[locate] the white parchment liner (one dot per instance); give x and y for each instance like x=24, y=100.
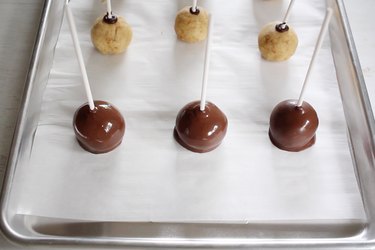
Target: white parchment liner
x=152, y=178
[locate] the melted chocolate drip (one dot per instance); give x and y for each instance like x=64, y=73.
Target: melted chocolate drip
x=99, y=130
x=196, y=12
x=110, y=20
x=200, y=131
x=292, y=128
x=282, y=27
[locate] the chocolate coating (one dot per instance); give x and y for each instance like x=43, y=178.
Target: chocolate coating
x=196, y=12
x=101, y=130
x=200, y=131
x=293, y=128
x=110, y=20
x=281, y=27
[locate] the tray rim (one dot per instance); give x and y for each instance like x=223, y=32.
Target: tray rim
x=174, y=242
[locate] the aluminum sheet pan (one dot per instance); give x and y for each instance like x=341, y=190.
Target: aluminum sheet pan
x=150, y=191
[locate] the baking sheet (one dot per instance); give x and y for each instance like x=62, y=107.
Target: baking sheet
x=150, y=177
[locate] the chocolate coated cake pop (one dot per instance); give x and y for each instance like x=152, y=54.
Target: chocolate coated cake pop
x=200, y=131
x=111, y=35
x=191, y=26
x=277, y=41
x=292, y=128
x=100, y=130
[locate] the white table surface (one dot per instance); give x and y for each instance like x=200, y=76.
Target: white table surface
x=20, y=20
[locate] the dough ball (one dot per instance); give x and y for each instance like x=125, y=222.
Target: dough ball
x=111, y=38
x=190, y=27
x=275, y=45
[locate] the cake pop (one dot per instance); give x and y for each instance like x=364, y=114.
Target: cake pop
x=111, y=34
x=200, y=131
x=200, y=125
x=278, y=41
x=191, y=24
x=292, y=127
x=293, y=123
x=99, y=127
x=100, y=130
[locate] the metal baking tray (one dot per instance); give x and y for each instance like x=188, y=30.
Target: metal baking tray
x=357, y=234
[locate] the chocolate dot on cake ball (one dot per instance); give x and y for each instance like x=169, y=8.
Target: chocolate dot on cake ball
x=277, y=41
x=191, y=26
x=100, y=130
x=200, y=131
x=111, y=35
x=292, y=128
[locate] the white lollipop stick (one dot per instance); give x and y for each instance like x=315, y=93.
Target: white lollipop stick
x=195, y=3
x=206, y=62
x=318, y=45
x=109, y=9
x=287, y=14
x=73, y=31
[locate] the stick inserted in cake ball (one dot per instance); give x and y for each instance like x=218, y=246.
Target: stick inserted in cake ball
x=318, y=45
x=201, y=126
x=99, y=126
x=191, y=23
x=194, y=6
x=277, y=41
x=283, y=25
x=293, y=123
x=73, y=31
x=207, y=57
x=109, y=9
x=287, y=14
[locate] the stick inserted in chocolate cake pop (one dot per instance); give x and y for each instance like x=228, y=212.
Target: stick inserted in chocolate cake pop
x=293, y=123
x=79, y=55
x=99, y=127
x=278, y=41
x=191, y=24
x=200, y=125
x=319, y=43
x=111, y=34
x=207, y=58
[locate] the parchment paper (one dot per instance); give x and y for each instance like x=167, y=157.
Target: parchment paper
x=150, y=177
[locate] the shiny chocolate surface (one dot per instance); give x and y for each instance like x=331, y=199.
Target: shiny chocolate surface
x=293, y=128
x=200, y=131
x=100, y=130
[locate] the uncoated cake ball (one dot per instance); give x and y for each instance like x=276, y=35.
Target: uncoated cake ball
x=111, y=38
x=275, y=45
x=191, y=27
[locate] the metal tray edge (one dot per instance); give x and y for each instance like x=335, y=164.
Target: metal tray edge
x=17, y=237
